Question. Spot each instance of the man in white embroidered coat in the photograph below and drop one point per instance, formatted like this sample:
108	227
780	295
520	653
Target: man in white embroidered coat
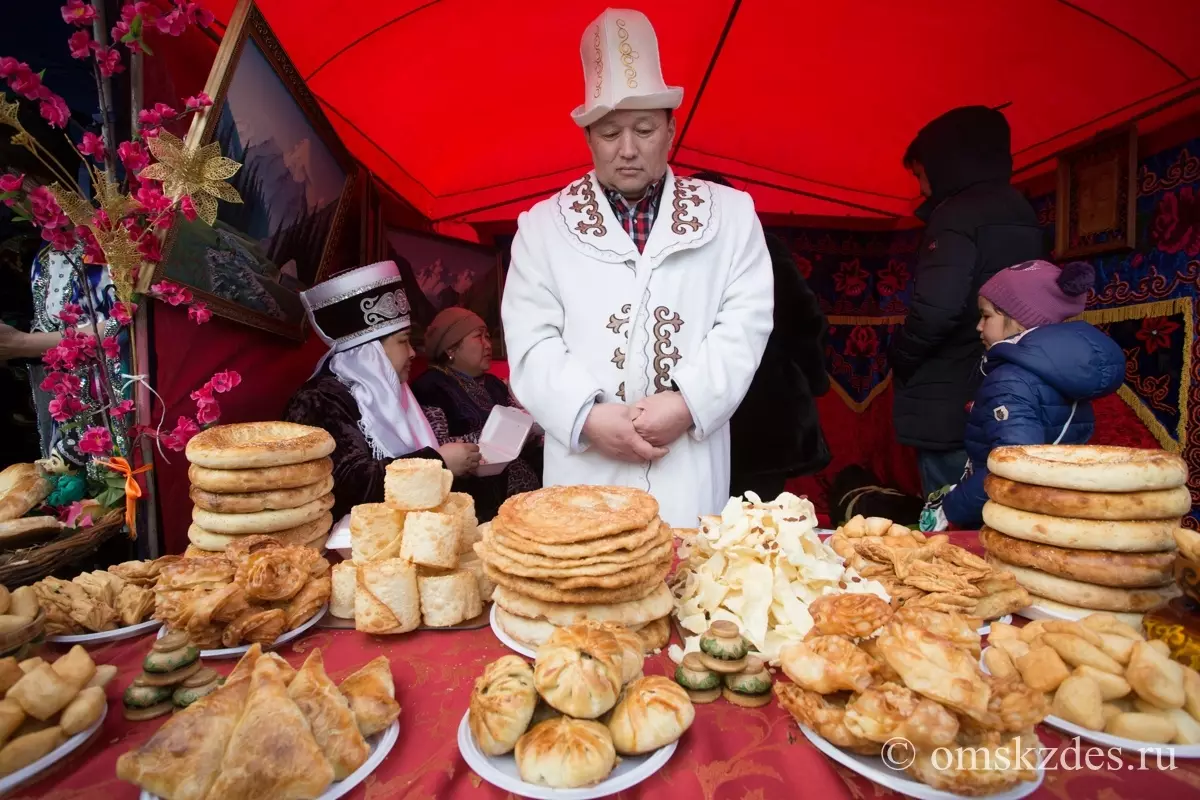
637	303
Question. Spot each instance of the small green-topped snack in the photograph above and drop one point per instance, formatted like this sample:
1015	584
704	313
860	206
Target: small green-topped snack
149	712
723	640
202	682
174	640
696	678
750	688
141	696
168	678
171	660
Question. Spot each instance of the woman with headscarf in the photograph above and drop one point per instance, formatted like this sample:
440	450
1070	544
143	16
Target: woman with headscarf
458	394
358	391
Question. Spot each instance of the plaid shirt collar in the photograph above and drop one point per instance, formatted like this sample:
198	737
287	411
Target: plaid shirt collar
637	218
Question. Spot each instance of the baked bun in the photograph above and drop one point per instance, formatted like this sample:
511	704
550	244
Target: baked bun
502	704
652	712
633	655
252	445
416	484
579	670
565	753
655	634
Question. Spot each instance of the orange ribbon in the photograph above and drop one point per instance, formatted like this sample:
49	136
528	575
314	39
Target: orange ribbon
132	490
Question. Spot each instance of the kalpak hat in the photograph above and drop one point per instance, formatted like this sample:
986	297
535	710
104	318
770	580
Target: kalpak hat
358	306
621	68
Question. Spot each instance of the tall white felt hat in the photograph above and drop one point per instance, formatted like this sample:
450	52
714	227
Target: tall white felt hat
621	69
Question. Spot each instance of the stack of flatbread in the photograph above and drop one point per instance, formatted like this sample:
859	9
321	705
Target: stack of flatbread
569	553
411	562
1086	528
22	488
272	478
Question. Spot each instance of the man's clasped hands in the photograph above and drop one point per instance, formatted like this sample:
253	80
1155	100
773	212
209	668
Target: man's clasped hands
638	433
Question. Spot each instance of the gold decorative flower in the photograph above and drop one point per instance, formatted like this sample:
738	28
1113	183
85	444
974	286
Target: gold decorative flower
8	114
198	173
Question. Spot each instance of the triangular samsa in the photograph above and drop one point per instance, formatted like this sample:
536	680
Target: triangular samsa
329	716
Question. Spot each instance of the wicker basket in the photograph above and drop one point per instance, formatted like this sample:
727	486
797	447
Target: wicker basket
31	564
23	642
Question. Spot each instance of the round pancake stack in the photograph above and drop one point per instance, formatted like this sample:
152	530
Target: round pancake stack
1086	527
272	478
568	553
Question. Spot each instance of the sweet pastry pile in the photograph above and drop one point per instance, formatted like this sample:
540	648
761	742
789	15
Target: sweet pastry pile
1102	674
724	667
172	677
269	731
411	562
927	572
568	553
1088	527
758	565
867	674
22	488
45	704
102	600
254	592
271	478
18	608
583	703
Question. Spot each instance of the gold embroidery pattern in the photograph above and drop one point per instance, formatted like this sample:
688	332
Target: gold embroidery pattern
684	194
628	55
616	325
594	224
599	62
666	324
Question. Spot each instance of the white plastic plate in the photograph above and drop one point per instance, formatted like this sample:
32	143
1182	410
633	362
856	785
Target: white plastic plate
508	641
986	627
9	782
875	770
127	632
339	538
502	438
381	744
236	652
501	771
1041	608
1108	740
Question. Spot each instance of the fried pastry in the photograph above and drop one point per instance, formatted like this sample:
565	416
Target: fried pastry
134	604
826	664
980	770
273	574
890	710
933	667
824	714
1155	678
957	628
24	750
371	693
329	717
307	602
1015	706
855	616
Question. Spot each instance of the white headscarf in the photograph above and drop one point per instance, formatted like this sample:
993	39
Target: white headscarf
392	419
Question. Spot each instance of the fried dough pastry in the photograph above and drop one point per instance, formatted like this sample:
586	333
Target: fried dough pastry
1015	705
957	628
825	715
210	572
242	546
142	573
307	601
884	672
274	574
254	625
932	577
134	604
890	710
855	616
977	772
935	668
945	601
827	664
1002	603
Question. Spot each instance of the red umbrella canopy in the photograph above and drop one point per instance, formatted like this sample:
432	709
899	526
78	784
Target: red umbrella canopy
463	106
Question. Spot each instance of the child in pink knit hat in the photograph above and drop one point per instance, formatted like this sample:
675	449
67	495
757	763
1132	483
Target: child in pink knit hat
1041	373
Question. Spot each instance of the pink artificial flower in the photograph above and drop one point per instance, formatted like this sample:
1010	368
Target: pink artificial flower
54	110
151	250
199	15
199	313
152	198
92	252
188	208
208	413
61	239
96	441
198	101
204	395
61	383
122	408
224	381
8	67
70	313
77	13
76	515
133	155
111	347
25	82
80	44
46	211
84	345
10	183
173	23
171	294
123	313
150	121
64	406
165	112
177	439
109	61
92	145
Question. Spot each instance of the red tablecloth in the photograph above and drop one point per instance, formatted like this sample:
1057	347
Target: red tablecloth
729	752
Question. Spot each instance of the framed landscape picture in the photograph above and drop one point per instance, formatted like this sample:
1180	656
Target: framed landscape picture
296	182
1097	196
440	272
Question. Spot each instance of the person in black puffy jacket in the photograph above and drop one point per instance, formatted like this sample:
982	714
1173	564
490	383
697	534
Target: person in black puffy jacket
775	433
977	225
1040	375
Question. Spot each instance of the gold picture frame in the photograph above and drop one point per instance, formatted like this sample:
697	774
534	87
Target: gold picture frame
1096	204
297	181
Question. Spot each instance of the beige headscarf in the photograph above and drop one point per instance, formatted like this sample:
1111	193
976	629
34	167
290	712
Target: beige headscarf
448	328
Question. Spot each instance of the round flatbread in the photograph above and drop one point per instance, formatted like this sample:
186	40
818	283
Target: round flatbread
1089	468
1086	595
22	487
250	502
291	476
18	532
653	533
657	603
1103	567
1147	536
489	552
262	521
552	594
253	445
623	556
309	534
530	632
1161	504
569	514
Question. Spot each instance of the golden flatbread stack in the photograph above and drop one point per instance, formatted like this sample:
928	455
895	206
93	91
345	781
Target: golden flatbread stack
1086	527
407	566
270	478
564	554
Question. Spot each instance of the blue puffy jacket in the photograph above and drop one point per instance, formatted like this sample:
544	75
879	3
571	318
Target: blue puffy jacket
1031	385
